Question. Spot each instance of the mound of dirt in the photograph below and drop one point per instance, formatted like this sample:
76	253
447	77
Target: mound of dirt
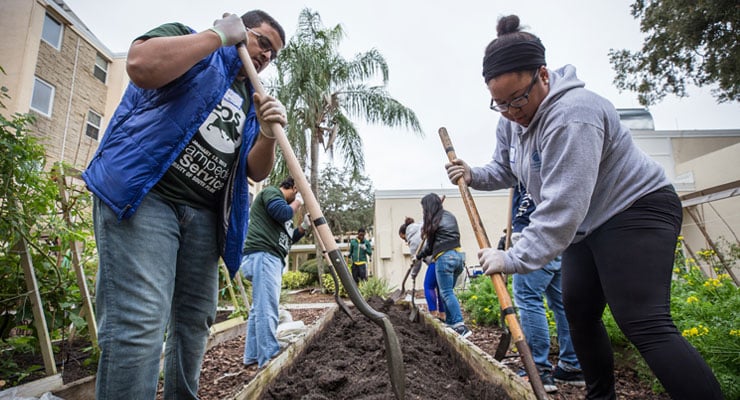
347	361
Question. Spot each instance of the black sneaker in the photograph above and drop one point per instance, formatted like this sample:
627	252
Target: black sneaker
574	378
463	331
547	382
545	377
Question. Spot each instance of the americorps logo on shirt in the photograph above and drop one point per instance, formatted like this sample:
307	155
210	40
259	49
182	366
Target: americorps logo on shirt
228	112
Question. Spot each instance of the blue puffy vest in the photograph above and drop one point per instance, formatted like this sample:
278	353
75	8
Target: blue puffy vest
150	128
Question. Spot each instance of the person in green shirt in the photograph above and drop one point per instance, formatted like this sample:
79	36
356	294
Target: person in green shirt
270	235
359	251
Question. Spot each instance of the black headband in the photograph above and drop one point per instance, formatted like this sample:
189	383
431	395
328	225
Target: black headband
516	56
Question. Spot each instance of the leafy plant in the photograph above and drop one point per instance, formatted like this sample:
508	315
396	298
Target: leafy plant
295	279
309	267
374	286
329	285
481	303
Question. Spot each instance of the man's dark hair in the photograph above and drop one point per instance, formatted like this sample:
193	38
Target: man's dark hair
361	230
287	183
255	18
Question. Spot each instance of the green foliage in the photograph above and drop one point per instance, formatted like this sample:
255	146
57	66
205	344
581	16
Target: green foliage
33	218
311	268
374	286
295	280
481	303
329	285
322	92
687	42
347	203
704	310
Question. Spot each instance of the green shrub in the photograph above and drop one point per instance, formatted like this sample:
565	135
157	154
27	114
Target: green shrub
374	286
481	303
295	280
329	285
312	270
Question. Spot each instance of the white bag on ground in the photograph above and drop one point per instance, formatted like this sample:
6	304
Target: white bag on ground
290	332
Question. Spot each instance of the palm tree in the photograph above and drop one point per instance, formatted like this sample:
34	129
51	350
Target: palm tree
323	92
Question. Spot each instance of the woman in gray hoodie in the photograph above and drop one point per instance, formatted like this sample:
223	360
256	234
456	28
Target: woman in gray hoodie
602	202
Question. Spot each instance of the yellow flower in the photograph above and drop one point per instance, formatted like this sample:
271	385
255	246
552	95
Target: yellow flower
486	310
676	270
735	332
473	297
680	237
692	299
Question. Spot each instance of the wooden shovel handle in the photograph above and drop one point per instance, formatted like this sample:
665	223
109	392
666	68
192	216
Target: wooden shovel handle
507	309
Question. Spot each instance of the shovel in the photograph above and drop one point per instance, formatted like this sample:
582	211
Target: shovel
339	301
507	309
414	315
393	353
399	294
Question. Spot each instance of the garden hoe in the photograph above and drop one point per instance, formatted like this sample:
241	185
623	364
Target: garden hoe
393	353
507	308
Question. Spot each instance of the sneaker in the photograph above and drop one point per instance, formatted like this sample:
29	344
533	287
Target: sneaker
574	377
545	377
463	331
547	382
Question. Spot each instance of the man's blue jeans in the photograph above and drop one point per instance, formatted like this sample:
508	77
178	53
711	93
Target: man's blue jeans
265	272
157	277
448	267
528	293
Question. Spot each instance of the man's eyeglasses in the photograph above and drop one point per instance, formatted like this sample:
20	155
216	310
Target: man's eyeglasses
517	102
264	43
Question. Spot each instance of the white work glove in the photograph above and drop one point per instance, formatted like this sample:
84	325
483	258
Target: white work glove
362	246
299	198
458	169
306	224
515	237
491	260
269	111
230	29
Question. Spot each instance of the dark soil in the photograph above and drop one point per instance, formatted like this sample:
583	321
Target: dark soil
223	362
347	361
223	373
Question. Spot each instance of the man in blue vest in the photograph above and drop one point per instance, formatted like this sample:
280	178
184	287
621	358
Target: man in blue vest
171	196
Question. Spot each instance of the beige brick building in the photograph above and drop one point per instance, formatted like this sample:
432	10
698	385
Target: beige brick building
57	70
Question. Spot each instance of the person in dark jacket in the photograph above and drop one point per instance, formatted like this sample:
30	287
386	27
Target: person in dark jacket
442	243
171	195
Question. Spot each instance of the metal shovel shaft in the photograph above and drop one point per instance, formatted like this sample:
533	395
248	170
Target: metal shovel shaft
392	345
502	293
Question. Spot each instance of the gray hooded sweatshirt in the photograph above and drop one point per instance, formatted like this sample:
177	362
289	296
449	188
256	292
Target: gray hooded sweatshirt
577	161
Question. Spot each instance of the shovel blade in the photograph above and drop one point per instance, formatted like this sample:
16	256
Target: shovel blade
396	295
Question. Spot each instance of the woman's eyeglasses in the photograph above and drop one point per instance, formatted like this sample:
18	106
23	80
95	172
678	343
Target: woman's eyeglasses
517	102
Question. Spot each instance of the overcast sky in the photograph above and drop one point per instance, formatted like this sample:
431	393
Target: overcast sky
434	50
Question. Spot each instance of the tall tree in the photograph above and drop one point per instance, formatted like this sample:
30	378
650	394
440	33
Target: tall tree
687	41
324	92
346	204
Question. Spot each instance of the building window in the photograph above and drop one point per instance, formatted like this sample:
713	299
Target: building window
92	127
52	32
42	99
101	68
